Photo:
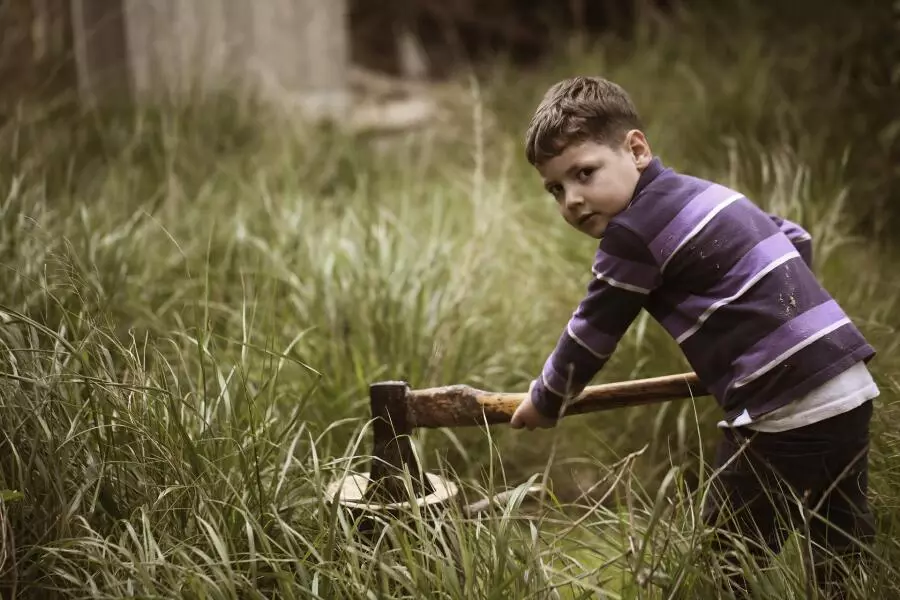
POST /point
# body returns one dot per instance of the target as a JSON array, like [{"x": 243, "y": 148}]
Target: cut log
[{"x": 350, "y": 492}]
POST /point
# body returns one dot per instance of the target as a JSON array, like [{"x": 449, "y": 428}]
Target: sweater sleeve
[
  {"x": 624, "y": 274},
  {"x": 800, "y": 238}
]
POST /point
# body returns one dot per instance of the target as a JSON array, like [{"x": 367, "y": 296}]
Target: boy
[{"x": 734, "y": 287}]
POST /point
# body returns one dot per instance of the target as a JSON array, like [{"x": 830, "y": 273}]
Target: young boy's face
[{"x": 593, "y": 182}]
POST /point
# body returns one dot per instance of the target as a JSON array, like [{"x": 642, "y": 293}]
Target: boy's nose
[{"x": 573, "y": 200}]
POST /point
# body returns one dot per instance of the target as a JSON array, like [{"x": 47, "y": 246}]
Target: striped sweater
[{"x": 730, "y": 283}]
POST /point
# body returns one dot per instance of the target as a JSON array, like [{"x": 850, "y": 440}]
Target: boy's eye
[
  {"x": 555, "y": 190},
  {"x": 584, "y": 174}
]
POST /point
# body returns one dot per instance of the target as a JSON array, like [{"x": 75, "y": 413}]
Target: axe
[{"x": 397, "y": 411}]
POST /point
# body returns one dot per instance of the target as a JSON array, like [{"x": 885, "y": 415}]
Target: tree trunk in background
[
  {"x": 50, "y": 31},
  {"x": 16, "y": 43},
  {"x": 99, "y": 38},
  {"x": 291, "y": 52},
  {"x": 302, "y": 45}
]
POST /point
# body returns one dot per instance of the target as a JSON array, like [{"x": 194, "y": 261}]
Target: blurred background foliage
[{"x": 852, "y": 47}]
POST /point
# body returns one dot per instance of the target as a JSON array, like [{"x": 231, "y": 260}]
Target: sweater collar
[{"x": 651, "y": 172}]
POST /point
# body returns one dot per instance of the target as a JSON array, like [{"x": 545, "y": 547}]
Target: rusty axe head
[{"x": 392, "y": 451}]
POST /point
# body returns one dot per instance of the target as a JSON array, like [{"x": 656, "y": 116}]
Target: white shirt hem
[{"x": 851, "y": 389}]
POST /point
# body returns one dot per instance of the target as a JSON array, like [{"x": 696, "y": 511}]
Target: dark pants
[{"x": 813, "y": 479}]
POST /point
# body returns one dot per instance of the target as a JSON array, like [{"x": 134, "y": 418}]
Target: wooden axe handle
[{"x": 461, "y": 405}]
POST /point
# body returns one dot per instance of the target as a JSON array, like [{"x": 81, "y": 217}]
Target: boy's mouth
[{"x": 585, "y": 218}]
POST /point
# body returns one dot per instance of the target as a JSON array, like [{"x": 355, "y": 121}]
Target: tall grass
[{"x": 196, "y": 299}]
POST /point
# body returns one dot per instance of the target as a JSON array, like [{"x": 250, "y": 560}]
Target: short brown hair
[{"x": 576, "y": 110}]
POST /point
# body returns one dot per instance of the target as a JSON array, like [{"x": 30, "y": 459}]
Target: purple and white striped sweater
[{"x": 732, "y": 284}]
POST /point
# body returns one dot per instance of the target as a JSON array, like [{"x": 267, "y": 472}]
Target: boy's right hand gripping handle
[{"x": 461, "y": 405}]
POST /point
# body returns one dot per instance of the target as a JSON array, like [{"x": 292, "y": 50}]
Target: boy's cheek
[{"x": 568, "y": 218}]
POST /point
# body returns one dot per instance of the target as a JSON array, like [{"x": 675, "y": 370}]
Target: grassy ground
[{"x": 194, "y": 302}]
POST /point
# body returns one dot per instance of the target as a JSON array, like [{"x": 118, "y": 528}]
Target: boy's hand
[{"x": 527, "y": 415}]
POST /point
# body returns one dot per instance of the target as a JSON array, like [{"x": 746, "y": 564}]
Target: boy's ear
[{"x": 637, "y": 145}]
